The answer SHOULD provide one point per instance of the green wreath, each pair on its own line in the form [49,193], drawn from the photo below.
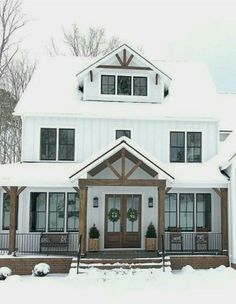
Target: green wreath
[114,215]
[132,215]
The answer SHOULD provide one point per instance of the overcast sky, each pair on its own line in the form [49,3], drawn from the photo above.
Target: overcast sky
[173,30]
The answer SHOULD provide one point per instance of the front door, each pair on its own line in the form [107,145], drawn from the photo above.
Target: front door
[123,221]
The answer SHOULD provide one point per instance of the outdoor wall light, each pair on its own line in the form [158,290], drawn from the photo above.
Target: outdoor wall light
[150,202]
[95,202]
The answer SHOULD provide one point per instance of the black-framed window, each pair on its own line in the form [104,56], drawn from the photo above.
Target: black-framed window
[170,210]
[194,147]
[56,212]
[66,150]
[203,201]
[108,85]
[6,212]
[140,86]
[120,133]
[48,143]
[124,85]
[186,211]
[177,147]
[38,202]
[72,211]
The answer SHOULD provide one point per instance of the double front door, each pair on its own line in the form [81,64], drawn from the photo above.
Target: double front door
[123,221]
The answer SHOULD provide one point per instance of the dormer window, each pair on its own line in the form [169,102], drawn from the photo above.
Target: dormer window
[108,84]
[124,85]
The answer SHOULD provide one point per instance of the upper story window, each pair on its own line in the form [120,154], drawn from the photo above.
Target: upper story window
[178,149]
[120,133]
[53,147]
[108,84]
[140,86]
[124,85]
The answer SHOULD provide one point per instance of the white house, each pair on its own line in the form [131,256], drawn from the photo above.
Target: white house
[120,142]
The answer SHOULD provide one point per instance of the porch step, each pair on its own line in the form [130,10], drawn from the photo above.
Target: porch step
[116,263]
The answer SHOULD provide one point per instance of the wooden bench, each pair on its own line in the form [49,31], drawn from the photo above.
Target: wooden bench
[54,242]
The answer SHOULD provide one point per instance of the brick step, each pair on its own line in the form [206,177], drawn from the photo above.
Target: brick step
[125,261]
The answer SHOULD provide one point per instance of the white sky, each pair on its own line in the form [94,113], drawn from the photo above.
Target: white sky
[176,30]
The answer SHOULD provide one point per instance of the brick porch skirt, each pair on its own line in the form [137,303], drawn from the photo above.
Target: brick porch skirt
[21,265]
[199,262]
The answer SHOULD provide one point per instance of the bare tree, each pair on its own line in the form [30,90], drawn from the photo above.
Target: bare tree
[16,78]
[89,44]
[11,20]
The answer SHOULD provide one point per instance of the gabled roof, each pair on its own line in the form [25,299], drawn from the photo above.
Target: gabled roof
[131,147]
[104,58]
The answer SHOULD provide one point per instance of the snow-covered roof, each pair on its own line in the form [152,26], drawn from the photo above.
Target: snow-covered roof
[53,90]
[205,175]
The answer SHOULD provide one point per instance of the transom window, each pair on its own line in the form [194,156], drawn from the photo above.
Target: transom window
[108,84]
[178,149]
[181,210]
[50,140]
[120,133]
[124,85]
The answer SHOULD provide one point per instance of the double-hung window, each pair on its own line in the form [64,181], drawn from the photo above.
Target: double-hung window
[124,85]
[57,144]
[140,86]
[204,211]
[186,211]
[180,152]
[56,216]
[108,85]
[170,210]
[38,201]
[6,212]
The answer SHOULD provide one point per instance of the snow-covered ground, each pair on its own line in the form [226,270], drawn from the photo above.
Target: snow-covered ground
[123,286]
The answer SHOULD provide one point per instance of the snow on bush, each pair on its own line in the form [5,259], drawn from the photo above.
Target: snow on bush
[187,269]
[41,269]
[4,272]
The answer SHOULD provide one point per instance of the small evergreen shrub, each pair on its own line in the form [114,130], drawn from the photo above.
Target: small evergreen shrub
[4,273]
[41,270]
[151,232]
[94,232]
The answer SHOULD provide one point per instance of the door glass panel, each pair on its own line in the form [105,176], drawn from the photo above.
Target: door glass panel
[114,213]
[132,213]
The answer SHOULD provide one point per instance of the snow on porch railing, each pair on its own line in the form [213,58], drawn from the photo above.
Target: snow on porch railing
[29,244]
[193,242]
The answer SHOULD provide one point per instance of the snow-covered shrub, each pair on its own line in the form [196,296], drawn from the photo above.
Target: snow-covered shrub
[41,270]
[4,273]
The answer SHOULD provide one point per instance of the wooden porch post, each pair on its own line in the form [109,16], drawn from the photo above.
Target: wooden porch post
[83,217]
[161,213]
[224,219]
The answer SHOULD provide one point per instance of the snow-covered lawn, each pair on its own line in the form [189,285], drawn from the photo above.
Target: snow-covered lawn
[123,286]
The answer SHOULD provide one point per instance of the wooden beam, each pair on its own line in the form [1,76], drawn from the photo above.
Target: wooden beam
[91,76]
[118,182]
[224,219]
[129,60]
[7,190]
[21,189]
[119,59]
[157,78]
[168,189]
[217,191]
[112,169]
[123,163]
[83,218]
[103,66]
[124,57]
[76,189]
[161,213]
[135,167]
[13,219]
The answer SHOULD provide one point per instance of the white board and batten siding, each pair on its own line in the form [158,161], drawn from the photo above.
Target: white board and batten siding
[93,134]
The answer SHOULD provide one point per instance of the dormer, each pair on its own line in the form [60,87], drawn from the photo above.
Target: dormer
[124,75]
